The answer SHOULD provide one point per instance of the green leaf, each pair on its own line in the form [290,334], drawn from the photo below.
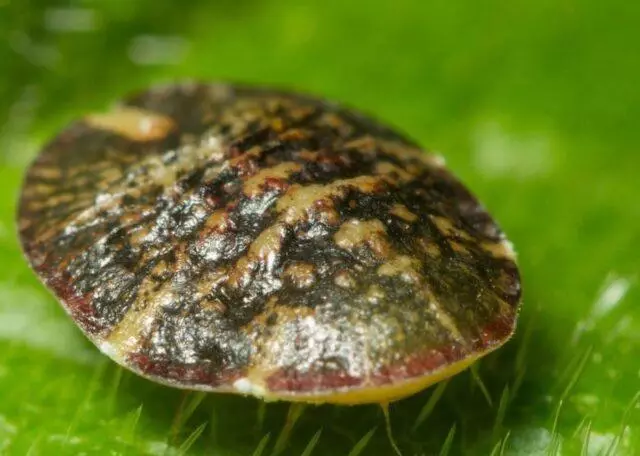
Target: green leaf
[359,447]
[312,443]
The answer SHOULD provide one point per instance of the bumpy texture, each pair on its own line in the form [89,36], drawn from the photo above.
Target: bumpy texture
[233,238]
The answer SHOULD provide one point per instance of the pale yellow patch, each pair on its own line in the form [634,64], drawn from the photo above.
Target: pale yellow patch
[374,294]
[344,279]
[217,221]
[253,186]
[430,247]
[108,176]
[406,267]
[405,152]
[308,155]
[52,200]
[458,247]
[300,112]
[366,144]
[47,172]
[264,249]
[301,274]
[336,122]
[138,236]
[39,189]
[400,210]
[386,169]
[447,228]
[125,337]
[445,319]
[500,249]
[133,123]
[209,280]
[277,125]
[354,233]
[252,153]
[293,134]
[300,202]
[268,243]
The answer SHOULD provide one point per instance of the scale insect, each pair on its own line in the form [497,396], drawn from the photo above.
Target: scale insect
[246,240]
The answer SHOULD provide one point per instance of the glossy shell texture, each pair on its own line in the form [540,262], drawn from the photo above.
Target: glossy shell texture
[240,239]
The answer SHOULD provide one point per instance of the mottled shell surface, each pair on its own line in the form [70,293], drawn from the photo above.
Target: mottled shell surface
[229,238]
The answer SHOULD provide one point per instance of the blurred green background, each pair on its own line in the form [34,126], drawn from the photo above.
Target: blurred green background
[536,105]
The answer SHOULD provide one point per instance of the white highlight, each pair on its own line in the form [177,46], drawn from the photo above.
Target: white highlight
[157,50]
[146,125]
[70,19]
[246,386]
[611,294]
[498,152]
[108,349]
[438,159]
[529,441]
[604,442]
[511,251]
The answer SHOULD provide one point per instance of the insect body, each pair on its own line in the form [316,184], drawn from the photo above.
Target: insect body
[239,239]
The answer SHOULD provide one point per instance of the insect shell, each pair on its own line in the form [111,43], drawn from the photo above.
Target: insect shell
[245,240]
